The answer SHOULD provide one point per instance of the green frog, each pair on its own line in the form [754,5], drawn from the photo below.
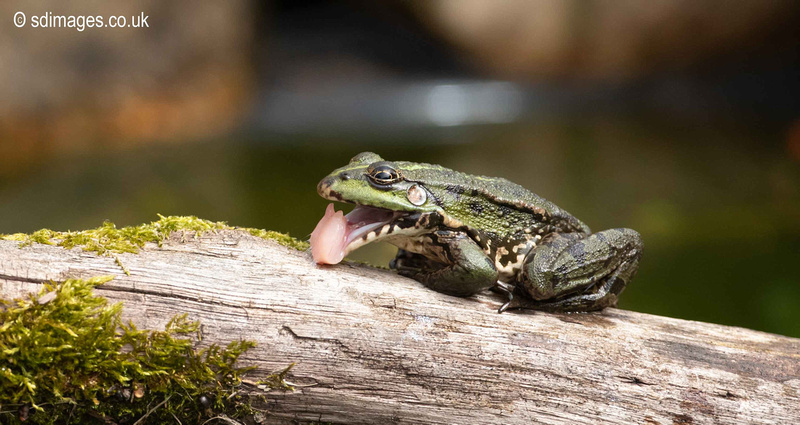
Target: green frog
[461,234]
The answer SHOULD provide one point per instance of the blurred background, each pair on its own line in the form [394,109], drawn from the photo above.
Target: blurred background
[678,118]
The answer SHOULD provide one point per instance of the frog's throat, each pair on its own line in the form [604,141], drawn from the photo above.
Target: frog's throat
[369,224]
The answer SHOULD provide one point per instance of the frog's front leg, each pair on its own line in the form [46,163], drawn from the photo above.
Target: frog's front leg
[576,272]
[461,267]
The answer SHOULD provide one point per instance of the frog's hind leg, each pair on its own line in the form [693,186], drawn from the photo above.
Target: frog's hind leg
[576,272]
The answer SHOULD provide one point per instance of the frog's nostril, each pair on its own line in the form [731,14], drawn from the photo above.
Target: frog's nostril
[324,184]
[344,176]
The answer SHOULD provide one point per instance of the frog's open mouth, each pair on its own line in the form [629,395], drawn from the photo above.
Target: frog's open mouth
[336,234]
[367,223]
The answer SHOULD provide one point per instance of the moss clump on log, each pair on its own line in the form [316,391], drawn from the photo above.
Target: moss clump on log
[109,240]
[66,355]
[281,238]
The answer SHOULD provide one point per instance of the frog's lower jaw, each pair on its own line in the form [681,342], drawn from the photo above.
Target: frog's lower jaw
[369,224]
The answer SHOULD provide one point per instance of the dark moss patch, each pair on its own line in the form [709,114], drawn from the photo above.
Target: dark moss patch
[66,356]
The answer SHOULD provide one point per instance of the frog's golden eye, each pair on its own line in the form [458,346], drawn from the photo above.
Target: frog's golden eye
[384,174]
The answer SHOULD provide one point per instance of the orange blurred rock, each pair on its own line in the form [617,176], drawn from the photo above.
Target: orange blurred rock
[186,76]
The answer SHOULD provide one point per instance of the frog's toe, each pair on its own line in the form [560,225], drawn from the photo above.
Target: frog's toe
[506,289]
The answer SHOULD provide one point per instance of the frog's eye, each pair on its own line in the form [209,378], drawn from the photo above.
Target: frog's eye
[384,174]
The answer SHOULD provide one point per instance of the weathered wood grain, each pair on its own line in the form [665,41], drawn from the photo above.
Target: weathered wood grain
[372,347]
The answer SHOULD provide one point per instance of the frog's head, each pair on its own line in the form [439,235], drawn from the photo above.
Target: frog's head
[370,181]
[387,204]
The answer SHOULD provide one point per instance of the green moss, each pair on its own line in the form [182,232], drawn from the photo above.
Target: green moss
[67,354]
[281,238]
[109,240]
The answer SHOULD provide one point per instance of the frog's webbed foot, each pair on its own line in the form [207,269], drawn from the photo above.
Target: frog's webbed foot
[467,271]
[576,272]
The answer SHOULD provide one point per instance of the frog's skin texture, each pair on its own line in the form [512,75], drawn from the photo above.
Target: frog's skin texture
[460,234]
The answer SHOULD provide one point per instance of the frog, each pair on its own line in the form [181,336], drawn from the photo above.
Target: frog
[461,234]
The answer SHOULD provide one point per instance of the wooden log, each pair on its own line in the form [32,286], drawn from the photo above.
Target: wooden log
[373,347]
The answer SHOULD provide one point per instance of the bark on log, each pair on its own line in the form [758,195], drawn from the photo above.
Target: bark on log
[373,347]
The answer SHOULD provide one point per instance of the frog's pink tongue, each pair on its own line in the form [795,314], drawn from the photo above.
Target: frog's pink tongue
[334,232]
[328,238]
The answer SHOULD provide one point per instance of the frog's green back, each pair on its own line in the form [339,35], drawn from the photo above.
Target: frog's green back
[490,202]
